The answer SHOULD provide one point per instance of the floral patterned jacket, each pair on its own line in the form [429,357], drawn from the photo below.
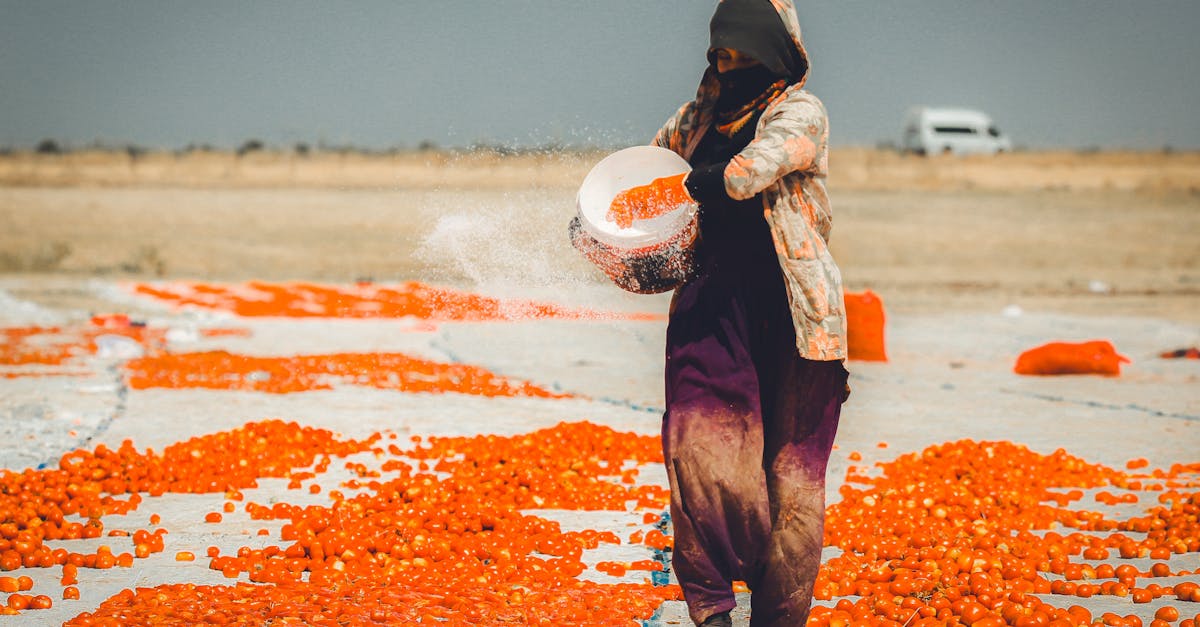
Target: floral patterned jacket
[787,163]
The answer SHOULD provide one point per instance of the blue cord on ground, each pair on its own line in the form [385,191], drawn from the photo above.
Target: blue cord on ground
[661,577]
[103,425]
[1100,404]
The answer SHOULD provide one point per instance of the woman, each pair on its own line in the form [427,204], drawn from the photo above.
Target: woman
[756,339]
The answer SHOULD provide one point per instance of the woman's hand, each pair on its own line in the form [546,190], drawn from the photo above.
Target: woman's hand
[649,201]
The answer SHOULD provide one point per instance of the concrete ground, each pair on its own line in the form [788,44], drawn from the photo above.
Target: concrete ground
[949,377]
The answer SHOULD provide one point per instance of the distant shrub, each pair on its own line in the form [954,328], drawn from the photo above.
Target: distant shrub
[190,148]
[48,147]
[498,149]
[251,145]
[302,149]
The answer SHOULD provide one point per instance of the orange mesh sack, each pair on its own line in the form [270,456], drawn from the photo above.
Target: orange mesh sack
[1095,357]
[864,326]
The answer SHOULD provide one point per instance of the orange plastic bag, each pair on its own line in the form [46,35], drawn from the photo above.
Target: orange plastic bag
[864,326]
[1095,357]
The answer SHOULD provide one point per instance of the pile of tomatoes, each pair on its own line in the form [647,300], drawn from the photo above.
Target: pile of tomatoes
[966,532]
[365,300]
[978,533]
[57,346]
[437,533]
[281,375]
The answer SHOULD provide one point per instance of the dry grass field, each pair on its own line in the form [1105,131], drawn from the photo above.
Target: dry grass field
[1093,233]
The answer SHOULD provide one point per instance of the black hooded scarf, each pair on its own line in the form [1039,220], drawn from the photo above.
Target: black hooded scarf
[753,28]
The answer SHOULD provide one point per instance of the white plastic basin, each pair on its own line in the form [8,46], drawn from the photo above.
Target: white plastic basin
[620,171]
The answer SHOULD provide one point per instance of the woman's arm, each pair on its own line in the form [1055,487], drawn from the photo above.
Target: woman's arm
[788,141]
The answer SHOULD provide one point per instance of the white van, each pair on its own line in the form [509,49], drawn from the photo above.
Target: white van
[935,131]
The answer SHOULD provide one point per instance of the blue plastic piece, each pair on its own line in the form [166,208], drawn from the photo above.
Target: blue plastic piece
[655,620]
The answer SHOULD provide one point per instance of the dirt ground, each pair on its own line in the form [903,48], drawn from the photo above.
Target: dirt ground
[1100,233]
[975,259]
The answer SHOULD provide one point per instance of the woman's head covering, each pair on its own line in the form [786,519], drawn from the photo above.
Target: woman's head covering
[755,25]
[758,29]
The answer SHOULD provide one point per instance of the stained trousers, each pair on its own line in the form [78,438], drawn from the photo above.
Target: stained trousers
[747,433]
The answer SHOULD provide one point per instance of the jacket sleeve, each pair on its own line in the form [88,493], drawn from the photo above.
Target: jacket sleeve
[670,135]
[788,141]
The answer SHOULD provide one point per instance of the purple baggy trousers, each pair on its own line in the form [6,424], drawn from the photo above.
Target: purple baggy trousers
[747,433]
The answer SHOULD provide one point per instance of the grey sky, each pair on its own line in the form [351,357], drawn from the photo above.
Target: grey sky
[1054,73]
